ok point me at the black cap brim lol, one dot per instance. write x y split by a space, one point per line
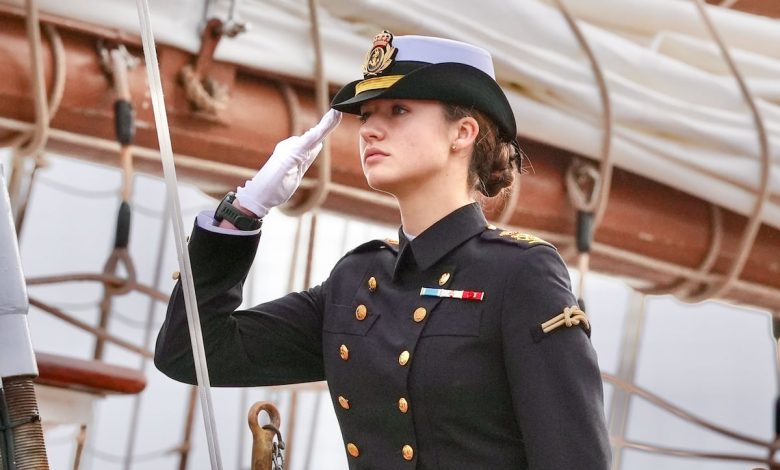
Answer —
448 82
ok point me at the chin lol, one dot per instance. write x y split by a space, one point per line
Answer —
382 183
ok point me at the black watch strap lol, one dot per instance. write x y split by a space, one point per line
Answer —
227 211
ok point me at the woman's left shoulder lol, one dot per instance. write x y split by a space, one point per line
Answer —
522 253
513 241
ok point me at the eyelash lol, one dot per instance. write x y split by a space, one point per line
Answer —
396 110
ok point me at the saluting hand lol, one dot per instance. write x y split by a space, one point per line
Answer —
278 179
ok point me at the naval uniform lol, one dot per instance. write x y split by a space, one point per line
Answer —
427 382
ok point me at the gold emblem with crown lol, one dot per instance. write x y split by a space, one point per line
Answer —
380 56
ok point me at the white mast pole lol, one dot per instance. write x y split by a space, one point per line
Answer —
188 288
24 446
16 352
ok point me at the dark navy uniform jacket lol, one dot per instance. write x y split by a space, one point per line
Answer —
417 382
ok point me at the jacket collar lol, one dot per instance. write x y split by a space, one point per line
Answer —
441 237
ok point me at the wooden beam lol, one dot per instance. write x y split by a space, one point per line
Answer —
644 218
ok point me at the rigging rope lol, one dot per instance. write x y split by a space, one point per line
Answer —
38 140
691 418
590 213
683 287
315 199
32 142
754 220
764 292
124 121
320 192
149 328
169 169
100 333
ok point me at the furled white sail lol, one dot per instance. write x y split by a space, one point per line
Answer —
679 116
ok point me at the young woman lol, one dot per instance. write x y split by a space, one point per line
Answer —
461 346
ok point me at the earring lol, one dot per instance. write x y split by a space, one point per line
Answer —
453 147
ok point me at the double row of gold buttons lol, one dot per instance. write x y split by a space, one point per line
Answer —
361 312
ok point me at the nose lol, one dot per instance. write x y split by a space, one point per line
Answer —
371 129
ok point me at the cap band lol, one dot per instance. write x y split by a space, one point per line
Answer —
377 83
439 50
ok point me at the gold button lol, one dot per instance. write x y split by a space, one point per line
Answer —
444 278
419 314
408 452
403 358
353 450
403 405
360 312
343 402
372 283
175 275
344 352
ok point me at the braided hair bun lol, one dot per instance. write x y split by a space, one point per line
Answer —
493 162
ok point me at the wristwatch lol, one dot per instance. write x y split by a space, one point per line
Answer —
227 211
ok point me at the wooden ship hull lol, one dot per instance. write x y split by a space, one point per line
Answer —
652 234
658 238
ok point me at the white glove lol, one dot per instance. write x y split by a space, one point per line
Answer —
278 179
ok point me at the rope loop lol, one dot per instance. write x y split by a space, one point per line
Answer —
207 96
583 184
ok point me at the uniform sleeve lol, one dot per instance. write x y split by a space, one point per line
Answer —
276 342
557 393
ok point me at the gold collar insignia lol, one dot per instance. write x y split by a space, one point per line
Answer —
523 237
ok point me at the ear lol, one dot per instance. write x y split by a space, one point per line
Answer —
467 131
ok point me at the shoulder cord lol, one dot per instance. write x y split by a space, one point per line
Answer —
590 211
190 300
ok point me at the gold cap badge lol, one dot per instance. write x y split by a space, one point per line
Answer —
380 56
